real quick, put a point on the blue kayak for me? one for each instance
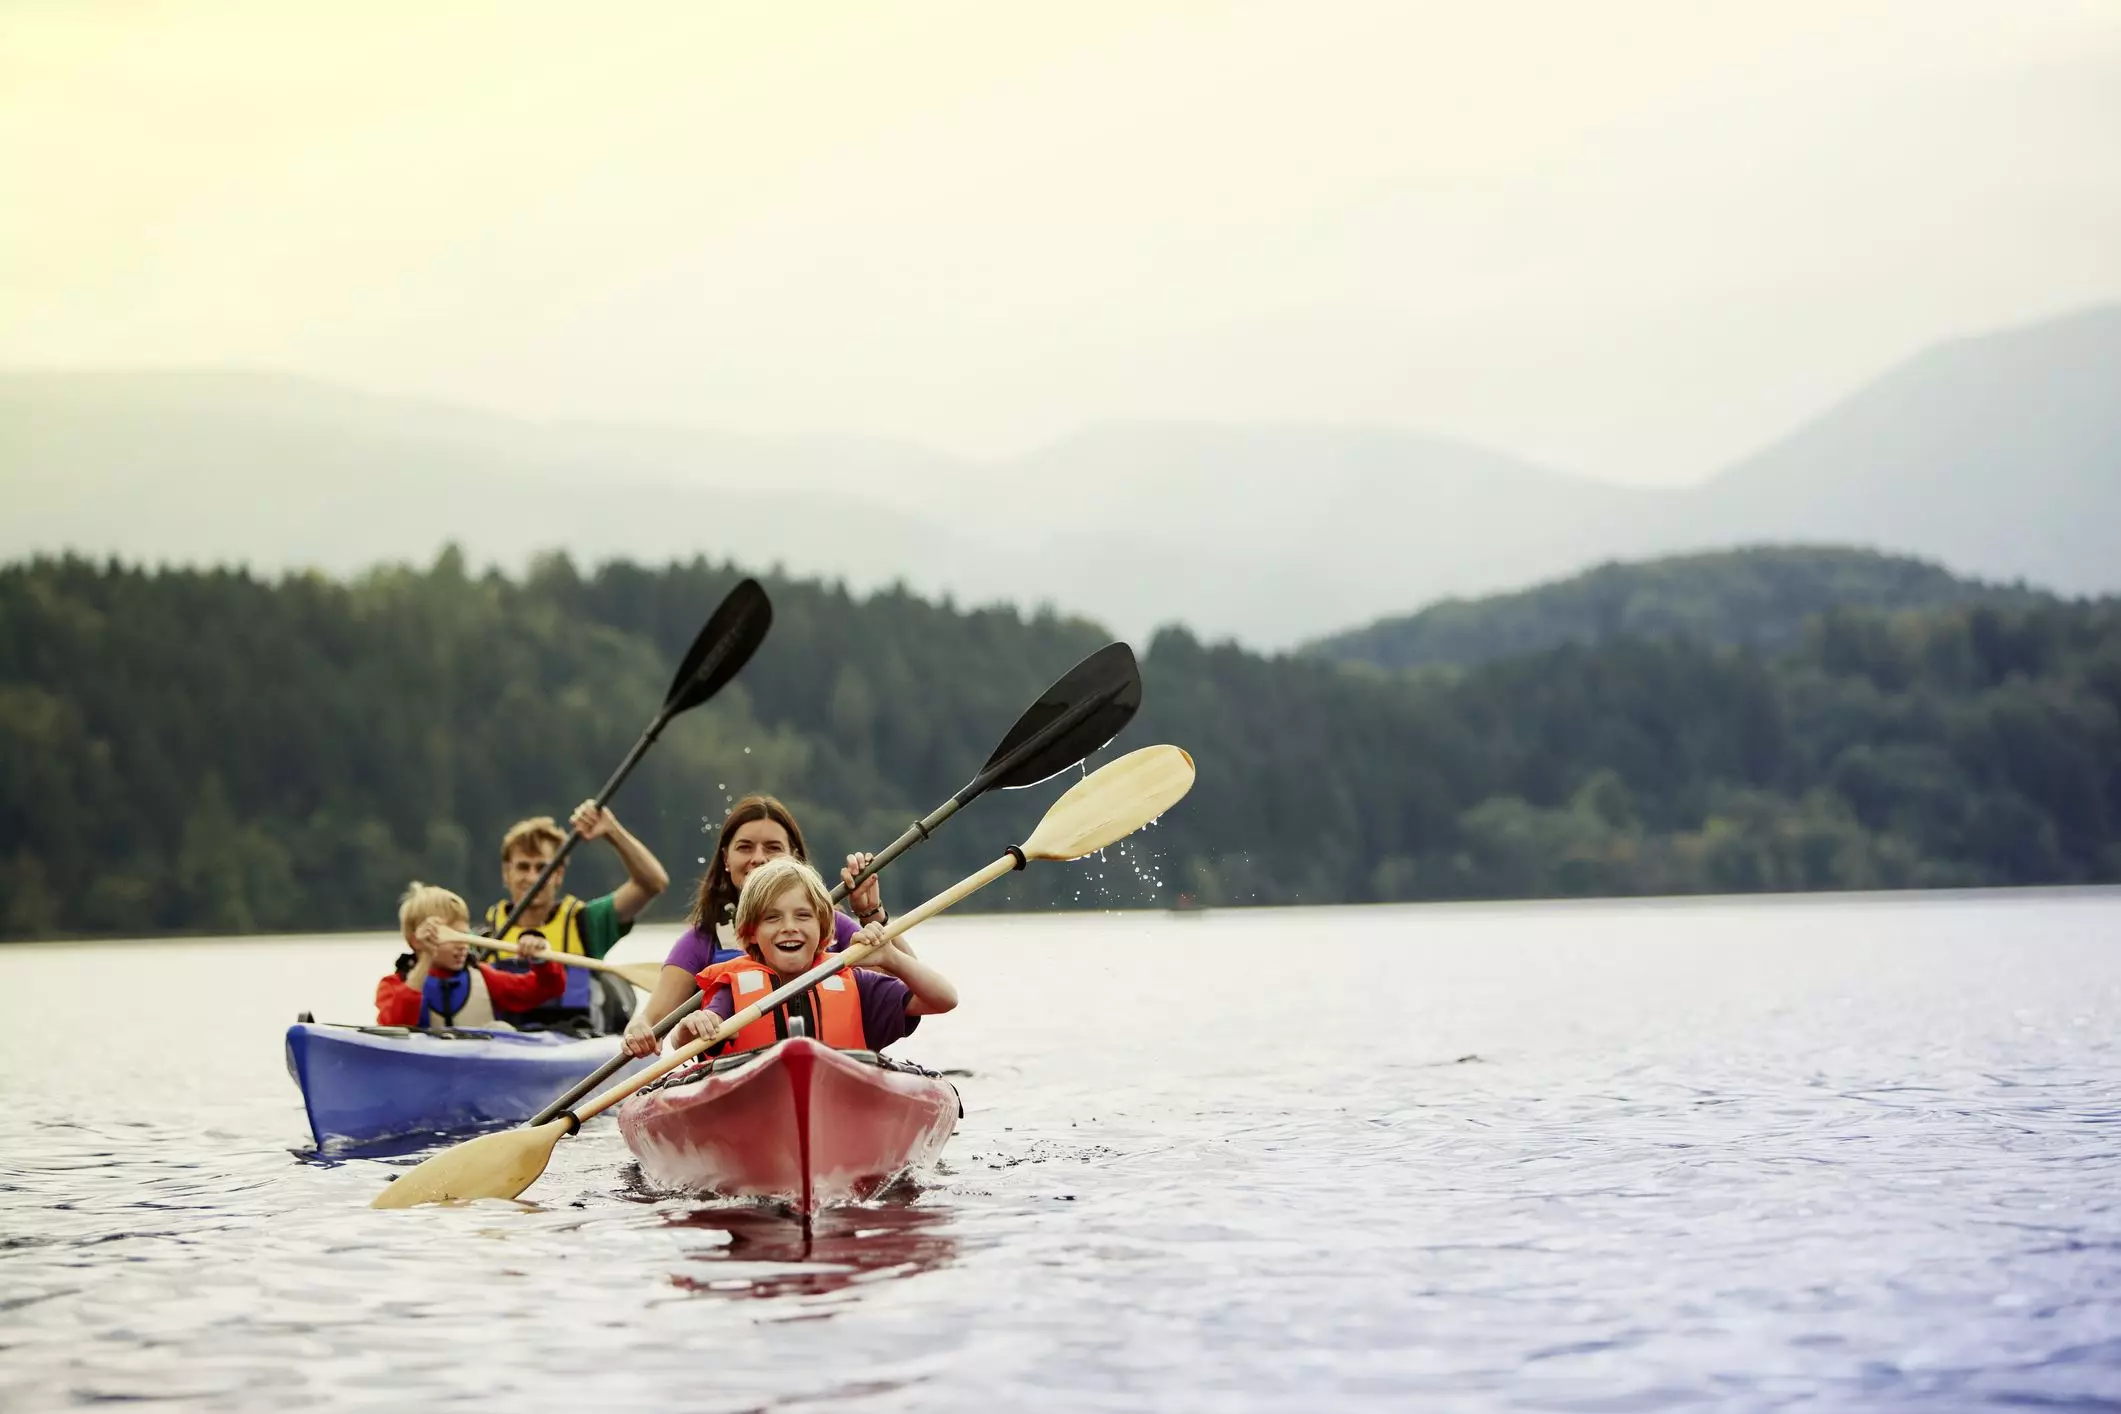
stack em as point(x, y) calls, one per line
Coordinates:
point(366, 1083)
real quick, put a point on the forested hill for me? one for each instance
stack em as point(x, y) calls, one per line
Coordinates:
point(207, 751)
point(1759, 598)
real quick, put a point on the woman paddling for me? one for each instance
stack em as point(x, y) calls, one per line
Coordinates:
point(781, 923)
point(757, 829)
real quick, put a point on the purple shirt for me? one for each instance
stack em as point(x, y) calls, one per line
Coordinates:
point(694, 951)
point(884, 1001)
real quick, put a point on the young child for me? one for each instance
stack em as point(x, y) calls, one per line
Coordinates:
point(783, 919)
point(433, 987)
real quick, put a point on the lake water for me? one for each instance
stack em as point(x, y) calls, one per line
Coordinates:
point(1849, 1154)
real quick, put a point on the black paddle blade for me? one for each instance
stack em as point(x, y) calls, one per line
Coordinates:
point(723, 647)
point(1071, 719)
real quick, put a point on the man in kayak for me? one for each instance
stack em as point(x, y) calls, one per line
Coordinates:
point(433, 987)
point(782, 923)
point(593, 1002)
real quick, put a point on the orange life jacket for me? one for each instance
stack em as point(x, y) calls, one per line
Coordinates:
point(836, 1002)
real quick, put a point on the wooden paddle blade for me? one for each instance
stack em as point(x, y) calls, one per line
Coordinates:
point(1112, 802)
point(1081, 712)
point(491, 1166)
point(724, 645)
point(643, 975)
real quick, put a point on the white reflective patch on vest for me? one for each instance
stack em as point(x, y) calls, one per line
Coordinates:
point(751, 981)
point(834, 983)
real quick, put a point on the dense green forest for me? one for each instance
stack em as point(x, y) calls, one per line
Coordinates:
point(186, 750)
point(1761, 597)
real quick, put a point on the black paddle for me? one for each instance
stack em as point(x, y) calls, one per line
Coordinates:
point(1081, 712)
point(723, 646)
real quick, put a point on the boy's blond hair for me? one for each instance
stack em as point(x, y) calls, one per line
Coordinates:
point(767, 883)
point(424, 901)
point(537, 830)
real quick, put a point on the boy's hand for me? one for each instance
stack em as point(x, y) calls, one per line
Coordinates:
point(886, 958)
point(700, 1023)
point(591, 821)
point(531, 947)
point(428, 936)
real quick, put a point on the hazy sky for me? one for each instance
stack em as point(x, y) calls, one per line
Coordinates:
point(1632, 239)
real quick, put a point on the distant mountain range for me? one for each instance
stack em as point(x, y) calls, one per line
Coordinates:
point(1998, 456)
point(1757, 598)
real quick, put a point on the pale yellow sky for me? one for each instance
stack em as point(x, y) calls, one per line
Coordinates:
point(1632, 239)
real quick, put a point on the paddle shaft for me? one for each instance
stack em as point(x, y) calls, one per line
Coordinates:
point(574, 836)
point(677, 1013)
point(565, 959)
point(919, 830)
point(922, 828)
point(915, 833)
point(1116, 800)
point(782, 995)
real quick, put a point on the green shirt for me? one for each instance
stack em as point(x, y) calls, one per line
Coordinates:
point(601, 925)
point(597, 922)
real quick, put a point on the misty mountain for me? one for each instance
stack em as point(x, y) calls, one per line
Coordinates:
point(1757, 598)
point(1999, 456)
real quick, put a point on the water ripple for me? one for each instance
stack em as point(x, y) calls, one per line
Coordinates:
point(1528, 1160)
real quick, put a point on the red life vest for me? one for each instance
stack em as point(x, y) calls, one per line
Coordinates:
point(836, 1002)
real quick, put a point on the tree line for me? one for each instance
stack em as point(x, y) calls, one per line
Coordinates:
point(187, 750)
point(1760, 597)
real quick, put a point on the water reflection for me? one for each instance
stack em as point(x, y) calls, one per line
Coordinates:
point(773, 1253)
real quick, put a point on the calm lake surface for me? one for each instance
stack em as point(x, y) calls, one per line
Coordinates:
point(1851, 1154)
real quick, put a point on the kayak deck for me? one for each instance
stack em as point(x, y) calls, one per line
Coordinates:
point(364, 1084)
point(798, 1123)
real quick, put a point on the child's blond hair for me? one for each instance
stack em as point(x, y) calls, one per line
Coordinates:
point(767, 883)
point(424, 901)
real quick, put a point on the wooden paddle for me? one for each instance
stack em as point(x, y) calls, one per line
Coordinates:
point(1106, 806)
point(718, 653)
point(1083, 709)
point(643, 975)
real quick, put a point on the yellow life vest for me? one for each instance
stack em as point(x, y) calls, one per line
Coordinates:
point(562, 931)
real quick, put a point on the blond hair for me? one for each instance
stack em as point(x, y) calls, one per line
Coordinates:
point(537, 830)
point(424, 901)
point(767, 883)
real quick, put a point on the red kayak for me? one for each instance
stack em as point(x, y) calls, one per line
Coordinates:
point(799, 1122)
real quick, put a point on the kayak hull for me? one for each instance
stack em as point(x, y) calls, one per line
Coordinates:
point(799, 1123)
point(365, 1084)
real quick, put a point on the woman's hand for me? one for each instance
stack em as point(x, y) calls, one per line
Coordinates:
point(693, 1027)
point(868, 900)
point(640, 1038)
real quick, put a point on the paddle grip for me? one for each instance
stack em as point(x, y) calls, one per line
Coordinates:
point(565, 959)
point(915, 833)
point(574, 836)
point(782, 995)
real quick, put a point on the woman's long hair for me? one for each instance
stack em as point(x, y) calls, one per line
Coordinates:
point(716, 900)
